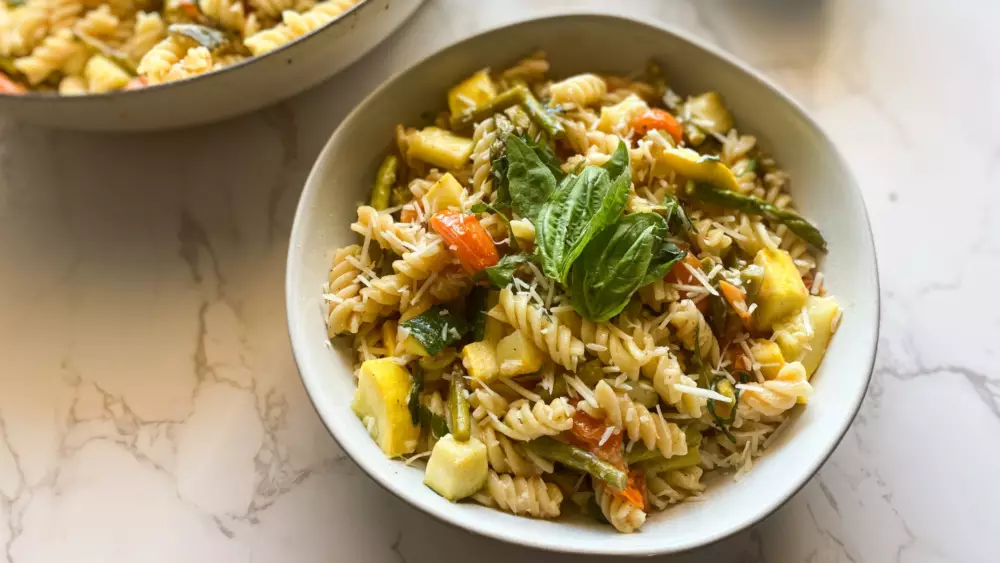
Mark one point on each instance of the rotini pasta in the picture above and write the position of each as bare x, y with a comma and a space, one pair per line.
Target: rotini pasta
530, 355
294, 25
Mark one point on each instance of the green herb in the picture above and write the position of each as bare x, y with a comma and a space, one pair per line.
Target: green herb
413, 399
579, 209
751, 166
619, 260
756, 206
211, 39
530, 181
437, 328
437, 423
502, 274
721, 385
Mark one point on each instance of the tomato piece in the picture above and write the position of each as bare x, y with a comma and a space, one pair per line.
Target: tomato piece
587, 433
408, 214
635, 492
467, 238
657, 119
8, 86
737, 298
136, 83
738, 359
680, 274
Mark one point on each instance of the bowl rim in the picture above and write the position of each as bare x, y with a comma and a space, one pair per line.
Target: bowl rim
762, 511
34, 97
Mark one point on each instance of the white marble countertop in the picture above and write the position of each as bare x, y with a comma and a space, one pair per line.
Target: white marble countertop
150, 409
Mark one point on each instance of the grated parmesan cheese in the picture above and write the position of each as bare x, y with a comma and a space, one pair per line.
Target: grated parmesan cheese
699, 392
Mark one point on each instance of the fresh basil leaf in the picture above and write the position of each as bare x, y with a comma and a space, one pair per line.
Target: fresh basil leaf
436, 328
413, 399
437, 423
621, 259
619, 162
205, 36
530, 181
580, 208
502, 274
548, 158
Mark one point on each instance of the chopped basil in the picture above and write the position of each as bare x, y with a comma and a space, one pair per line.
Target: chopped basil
413, 399
502, 274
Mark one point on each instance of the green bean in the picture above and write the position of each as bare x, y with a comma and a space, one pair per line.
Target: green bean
385, 179
756, 206
537, 113
581, 460
458, 409
508, 98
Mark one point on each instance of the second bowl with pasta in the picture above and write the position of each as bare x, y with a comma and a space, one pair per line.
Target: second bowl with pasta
582, 292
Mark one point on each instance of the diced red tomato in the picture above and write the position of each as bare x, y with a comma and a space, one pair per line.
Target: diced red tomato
467, 238
737, 298
587, 432
8, 86
635, 492
657, 119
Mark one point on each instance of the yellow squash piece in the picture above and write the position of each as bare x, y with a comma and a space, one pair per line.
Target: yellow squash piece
618, 118
383, 387
781, 292
439, 147
103, 75
472, 92
456, 469
480, 361
824, 316
518, 355
693, 166
445, 193
706, 114
768, 355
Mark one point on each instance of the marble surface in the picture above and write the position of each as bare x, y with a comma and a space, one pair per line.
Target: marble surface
150, 410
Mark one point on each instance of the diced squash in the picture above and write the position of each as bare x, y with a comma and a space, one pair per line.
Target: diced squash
103, 75
518, 355
782, 292
472, 92
413, 346
824, 316
705, 114
456, 469
480, 361
439, 361
389, 329
617, 118
523, 231
383, 388
439, 147
494, 329
693, 166
768, 355
445, 193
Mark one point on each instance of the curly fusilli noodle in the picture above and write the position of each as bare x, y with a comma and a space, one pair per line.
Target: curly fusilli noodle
197, 61
530, 496
547, 332
49, 56
342, 289
504, 455
485, 401
658, 295
526, 422
294, 25
26, 27
621, 412
157, 62
693, 330
99, 23
273, 8
711, 238
674, 486
666, 372
613, 347
147, 31
623, 515
776, 396
422, 254
580, 90
230, 14
483, 138
63, 14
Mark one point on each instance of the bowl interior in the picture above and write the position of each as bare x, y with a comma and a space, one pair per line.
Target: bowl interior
821, 184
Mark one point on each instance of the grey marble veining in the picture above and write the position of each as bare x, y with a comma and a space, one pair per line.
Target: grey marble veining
150, 410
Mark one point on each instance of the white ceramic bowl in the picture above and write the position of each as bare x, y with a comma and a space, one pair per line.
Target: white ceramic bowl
234, 90
821, 183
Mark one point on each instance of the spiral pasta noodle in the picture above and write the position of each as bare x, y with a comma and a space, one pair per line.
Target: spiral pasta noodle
655, 433
624, 516
580, 90
693, 330
483, 138
666, 372
161, 58
612, 347
776, 396
342, 289
547, 332
524, 421
294, 25
528, 496
49, 56
505, 456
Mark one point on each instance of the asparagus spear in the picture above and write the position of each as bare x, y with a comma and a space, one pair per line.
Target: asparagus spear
538, 114
458, 409
579, 459
385, 178
750, 204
